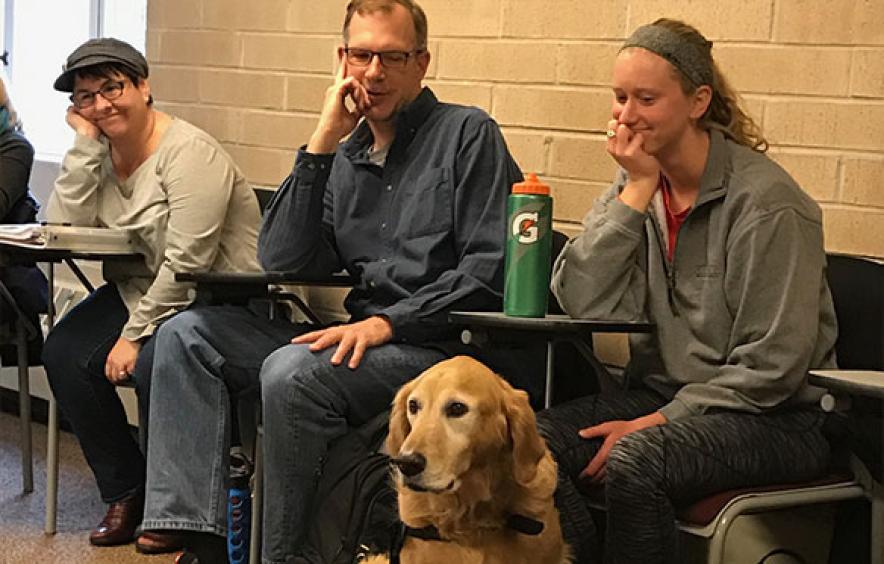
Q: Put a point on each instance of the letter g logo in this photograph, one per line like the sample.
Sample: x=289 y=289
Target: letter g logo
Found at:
x=525 y=227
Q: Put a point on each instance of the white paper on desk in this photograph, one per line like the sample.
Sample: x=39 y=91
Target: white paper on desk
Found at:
x=68 y=237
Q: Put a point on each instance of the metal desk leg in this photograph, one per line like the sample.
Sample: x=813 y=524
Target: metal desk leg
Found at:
x=52 y=430
x=550 y=372
x=24 y=408
x=257 y=499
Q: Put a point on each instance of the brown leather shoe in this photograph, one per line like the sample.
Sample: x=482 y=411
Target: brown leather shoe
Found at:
x=120 y=522
x=159 y=542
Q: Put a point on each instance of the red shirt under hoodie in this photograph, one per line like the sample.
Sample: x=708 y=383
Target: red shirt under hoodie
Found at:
x=673 y=220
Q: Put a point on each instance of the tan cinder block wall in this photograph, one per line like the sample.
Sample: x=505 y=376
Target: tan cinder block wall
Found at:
x=811 y=71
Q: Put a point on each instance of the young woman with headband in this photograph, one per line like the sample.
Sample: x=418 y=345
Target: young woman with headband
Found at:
x=707 y=238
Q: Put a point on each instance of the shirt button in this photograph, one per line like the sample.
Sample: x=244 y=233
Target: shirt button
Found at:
x=389 y=187
x=383 y=260
x=311 y=166
x=384 y=225
x=371 y=284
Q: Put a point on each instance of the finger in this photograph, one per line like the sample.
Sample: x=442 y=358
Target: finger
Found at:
x=600 y=430
x=635 y=144
x=356 y=357
x=308 y=337
x=599 y=460
x=624 y=136
x=108 y=371
x=344 y=347
x=611 y=132
x=600 y=476
x=360 y=97
x=342 y=66
x=328 y=339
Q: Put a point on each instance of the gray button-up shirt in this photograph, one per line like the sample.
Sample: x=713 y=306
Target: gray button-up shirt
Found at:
x=425 y=234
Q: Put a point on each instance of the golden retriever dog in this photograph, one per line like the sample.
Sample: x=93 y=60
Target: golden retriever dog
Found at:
x=472 y=471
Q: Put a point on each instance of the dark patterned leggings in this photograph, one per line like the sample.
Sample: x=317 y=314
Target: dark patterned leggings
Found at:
x=652 y=471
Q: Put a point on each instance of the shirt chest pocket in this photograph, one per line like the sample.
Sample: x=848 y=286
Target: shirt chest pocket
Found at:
x=425 y=205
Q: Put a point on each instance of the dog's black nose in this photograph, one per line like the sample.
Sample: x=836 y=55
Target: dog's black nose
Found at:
x=410 y=464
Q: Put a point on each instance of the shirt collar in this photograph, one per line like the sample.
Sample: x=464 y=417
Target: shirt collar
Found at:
x=713 y=183
x=408 y=121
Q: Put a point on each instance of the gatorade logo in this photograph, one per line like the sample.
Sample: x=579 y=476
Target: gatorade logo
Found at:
x=525 y=227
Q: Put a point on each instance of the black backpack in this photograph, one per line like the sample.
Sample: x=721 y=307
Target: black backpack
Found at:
x=354 y=512
x=28 y=288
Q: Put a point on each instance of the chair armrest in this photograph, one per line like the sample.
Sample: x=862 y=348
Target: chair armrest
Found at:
x=869 y=383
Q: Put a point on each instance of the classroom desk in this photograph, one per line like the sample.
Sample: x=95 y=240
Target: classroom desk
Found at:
x=11 y=253
x=239 y=287
x=868 y=383
x=483 y=326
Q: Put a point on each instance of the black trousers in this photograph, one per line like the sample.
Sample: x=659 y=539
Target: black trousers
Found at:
x=74 y=356
x=655 y=470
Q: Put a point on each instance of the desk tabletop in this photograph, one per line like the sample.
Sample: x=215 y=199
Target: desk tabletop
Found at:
x=263 y=278
x=31 y=254
x=549 y=323
x=861 y=382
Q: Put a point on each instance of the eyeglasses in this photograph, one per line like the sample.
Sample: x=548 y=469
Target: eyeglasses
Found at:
x=389 y=59
x=110 y=91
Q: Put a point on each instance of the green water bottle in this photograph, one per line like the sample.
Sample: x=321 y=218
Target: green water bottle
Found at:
x=528 y=248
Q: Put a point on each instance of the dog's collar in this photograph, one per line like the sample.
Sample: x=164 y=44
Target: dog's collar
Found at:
x=518 y=523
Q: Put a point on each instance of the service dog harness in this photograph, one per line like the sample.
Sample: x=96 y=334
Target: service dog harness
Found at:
x=518 y=523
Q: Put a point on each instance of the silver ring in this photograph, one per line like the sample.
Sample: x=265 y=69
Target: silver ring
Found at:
x=123 y=373
x=610 y=133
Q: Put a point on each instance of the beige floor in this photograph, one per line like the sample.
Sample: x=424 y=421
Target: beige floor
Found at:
x=21 y=516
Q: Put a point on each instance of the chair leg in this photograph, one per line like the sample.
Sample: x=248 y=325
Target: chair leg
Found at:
x=49 y=525
x=24 y=409
x=257 y=500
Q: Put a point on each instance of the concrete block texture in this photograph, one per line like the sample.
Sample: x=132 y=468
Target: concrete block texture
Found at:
x=838 y=125
x=810 y=72
x=199 y=47
x=845 y=22
x=864 y=181
x=856 y=230
x=174 y=14
x=867 y=73
x=269 y=15
x=571 y=19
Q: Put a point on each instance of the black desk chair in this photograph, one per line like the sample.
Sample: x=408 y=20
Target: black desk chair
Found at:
x=21 y=331
x=857 y=286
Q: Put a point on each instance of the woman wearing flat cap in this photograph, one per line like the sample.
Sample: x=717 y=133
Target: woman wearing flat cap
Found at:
x=707 y=238
x=187 y=207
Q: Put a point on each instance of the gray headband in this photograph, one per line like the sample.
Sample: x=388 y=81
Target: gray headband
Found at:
x=686 y=57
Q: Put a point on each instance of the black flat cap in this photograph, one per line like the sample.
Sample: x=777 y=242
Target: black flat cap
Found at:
x=97 y=52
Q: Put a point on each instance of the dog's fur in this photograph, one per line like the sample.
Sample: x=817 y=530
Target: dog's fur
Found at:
x=482 y=461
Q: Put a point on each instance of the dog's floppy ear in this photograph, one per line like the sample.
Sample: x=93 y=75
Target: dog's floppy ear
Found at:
x=399 y=425
x=528 y=446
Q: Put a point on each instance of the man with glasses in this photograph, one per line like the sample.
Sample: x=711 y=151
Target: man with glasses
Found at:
x=412 y=204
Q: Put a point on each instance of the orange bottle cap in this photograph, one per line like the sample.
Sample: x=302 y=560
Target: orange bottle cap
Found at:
x=531 y=185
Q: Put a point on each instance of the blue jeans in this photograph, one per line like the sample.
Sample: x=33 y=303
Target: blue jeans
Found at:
x=209 y=353
x=74 y=357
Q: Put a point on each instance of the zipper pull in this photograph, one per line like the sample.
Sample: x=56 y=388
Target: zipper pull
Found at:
x=670 y=290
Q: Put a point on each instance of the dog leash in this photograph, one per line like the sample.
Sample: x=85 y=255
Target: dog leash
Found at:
x=519 y=523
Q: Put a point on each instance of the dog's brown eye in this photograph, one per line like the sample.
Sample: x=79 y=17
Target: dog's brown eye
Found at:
x=456 y=409
x=413 y=406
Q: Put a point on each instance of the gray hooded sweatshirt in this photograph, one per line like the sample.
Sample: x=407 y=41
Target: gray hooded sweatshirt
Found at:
x=742 y=311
